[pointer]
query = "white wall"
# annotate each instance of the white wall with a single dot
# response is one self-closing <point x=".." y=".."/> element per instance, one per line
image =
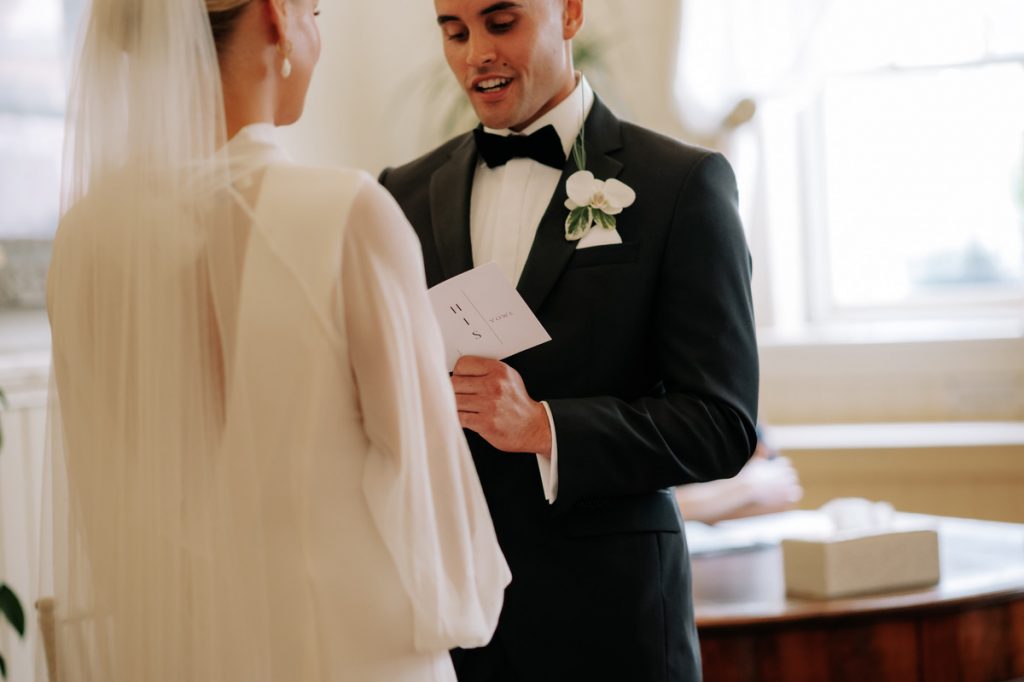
<point x="364" y="98"/>
<point x="909" y="381"/>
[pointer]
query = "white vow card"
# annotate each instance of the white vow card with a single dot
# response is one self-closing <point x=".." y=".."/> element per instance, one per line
<point x="482" y="314"/>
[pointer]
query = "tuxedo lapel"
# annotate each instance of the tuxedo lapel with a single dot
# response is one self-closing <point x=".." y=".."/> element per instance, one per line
<point x="551" y="251"/>
<point x="450" y="188"/>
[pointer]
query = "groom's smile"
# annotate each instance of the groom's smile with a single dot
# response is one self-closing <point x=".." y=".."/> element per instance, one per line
<point x="491" y="85"/>
<point x="513" y="59"/>
<point x="489" y="90"/>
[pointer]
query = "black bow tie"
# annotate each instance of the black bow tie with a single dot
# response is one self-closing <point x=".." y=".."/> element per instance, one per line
<point x="543" y="146"/>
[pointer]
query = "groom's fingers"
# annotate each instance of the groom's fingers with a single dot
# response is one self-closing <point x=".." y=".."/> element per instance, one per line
<point x="470" y="375"/>
<point x="471" y="421"/>
<point x="480" y="376"/>
<point x="473" y="403"/>
<point x="463" y="385"/>
<point x="471" y="365"/>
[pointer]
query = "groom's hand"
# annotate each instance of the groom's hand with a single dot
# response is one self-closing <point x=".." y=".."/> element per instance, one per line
<point x="492" y="401"/>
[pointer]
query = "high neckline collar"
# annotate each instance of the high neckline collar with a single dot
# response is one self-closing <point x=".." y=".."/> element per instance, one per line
<point x="259" y="133"/>
<point x="256" y="144"/>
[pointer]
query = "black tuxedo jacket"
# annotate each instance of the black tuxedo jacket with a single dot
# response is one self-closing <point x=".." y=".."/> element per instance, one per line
<point x="652" y="380"/>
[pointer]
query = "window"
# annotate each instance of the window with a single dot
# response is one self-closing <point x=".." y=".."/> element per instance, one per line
<point x="922" y="152"/>
<point x="34" y="44"/>
<point x="888" y="151"/>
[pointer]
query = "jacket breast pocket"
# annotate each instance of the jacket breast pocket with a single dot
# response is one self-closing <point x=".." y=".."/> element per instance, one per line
<point x="613" y="254"/>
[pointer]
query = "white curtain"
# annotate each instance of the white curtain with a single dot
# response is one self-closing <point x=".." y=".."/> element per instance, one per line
<point x="694" y="70"/>
<point x="765" y="55"/>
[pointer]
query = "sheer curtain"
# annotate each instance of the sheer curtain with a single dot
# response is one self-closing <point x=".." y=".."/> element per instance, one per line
<point x="758" y="61"/>
<point x="697" y="69"/>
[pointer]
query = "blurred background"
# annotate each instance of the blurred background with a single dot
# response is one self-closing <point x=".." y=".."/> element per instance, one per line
<point x="879" y="147"/>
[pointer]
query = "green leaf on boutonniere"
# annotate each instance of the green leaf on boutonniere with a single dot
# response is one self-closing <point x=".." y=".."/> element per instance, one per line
<point x="579" y="152"/>
<point x="604" y="220"/>
<point x="578" y="223"/>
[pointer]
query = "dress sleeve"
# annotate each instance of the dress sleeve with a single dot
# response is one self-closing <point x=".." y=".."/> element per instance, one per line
<point x="420" y="482"/>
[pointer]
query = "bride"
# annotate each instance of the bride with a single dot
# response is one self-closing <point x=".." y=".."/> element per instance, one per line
<point x="256" y="467"/>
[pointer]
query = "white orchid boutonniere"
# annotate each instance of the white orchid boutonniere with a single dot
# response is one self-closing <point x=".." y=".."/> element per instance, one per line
<point x="592" y="201"/>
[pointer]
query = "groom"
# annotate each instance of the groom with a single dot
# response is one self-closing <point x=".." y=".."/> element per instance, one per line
<point x="650" y="380"/>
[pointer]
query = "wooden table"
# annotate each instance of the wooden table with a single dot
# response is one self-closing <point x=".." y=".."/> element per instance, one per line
<point x="969" y="628"/>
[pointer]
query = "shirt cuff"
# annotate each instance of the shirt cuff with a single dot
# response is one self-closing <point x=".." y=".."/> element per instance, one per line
<point x="549" y="467"/>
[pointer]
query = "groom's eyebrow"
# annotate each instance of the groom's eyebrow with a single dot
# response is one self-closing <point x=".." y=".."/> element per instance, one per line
<point x="490" y="9"/>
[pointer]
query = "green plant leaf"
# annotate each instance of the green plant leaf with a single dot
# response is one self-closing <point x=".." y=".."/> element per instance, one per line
<point x="588" y="52"/>
<point x="604" y="220"/>
<point x="11" y="608"/>
<point x="578" y="222"/>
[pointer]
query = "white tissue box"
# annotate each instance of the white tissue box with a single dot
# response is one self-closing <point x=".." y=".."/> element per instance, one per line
<point x="847" y="565"/>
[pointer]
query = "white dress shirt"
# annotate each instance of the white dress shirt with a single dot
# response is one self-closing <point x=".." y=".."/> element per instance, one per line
<point x="506" y="207"/>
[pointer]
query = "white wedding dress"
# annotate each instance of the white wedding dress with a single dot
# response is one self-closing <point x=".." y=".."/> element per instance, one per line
<point x="337" y="530"/>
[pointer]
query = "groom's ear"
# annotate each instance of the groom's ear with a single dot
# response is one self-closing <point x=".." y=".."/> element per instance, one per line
<point x="572" y="18"/>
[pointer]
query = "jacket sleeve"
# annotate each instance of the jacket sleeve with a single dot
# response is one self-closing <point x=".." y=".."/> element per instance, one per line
<point x="700" y="425"/>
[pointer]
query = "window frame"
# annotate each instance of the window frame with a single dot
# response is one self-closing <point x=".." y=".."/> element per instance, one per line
<point x="819" y="305"/>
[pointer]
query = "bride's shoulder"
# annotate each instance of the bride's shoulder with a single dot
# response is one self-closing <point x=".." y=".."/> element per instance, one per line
<point x="305" y="183"/>
<point x="339" y="192"/>
<point x="315" y="190"/>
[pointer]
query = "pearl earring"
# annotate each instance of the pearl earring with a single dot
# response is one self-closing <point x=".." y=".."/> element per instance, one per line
<point x="285" y="48"/>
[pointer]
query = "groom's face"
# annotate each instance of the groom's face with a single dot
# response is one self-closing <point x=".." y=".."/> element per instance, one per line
<point x="513" y="59"/>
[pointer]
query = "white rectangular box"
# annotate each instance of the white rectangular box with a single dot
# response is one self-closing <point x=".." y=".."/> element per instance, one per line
<point x="845" y="566"/>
